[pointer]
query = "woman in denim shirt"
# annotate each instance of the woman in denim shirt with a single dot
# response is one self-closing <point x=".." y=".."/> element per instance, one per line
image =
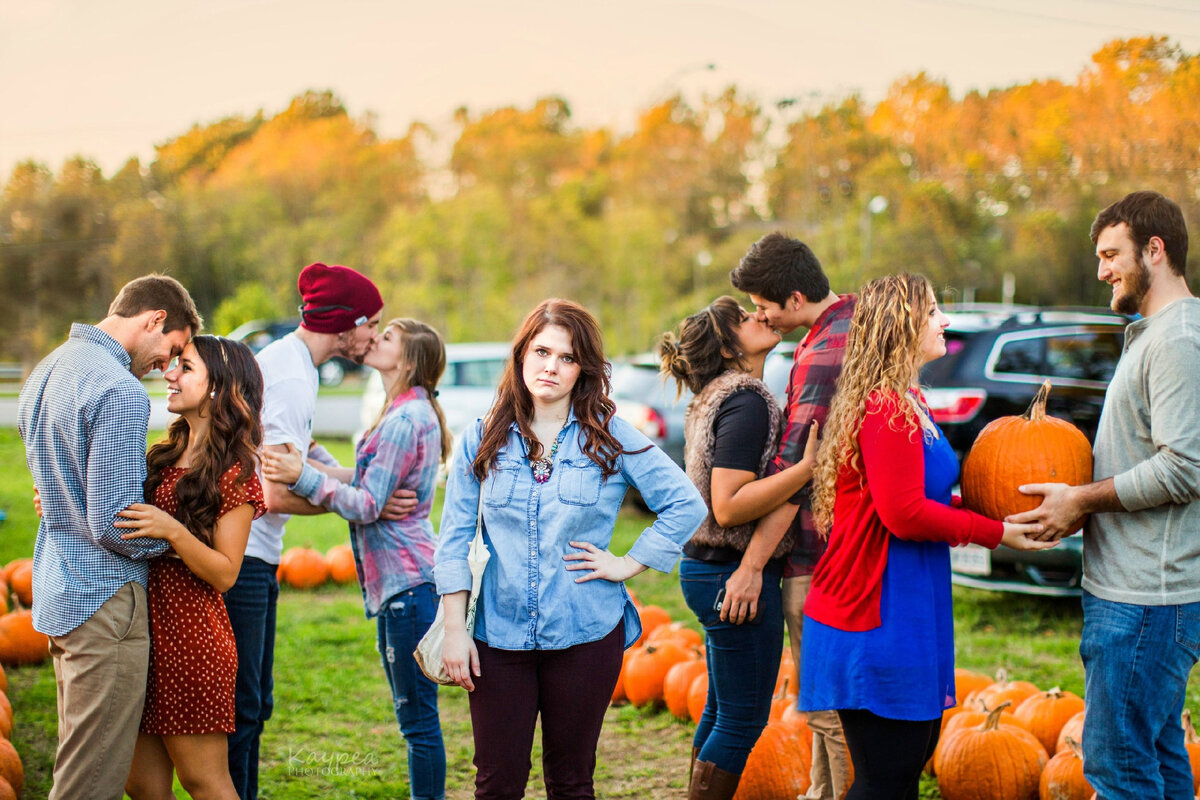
<point x="553" y="464"/>
<point x="402" y="450"/>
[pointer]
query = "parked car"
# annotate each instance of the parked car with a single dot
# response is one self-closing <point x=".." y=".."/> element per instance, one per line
<point x="466" y="391"/>
<point x="259" y="333"/>
<point x="996" y="359"/>
<point x="650" y="403"/>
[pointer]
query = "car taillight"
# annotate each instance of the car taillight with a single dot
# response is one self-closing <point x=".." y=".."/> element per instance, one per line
<point x="954" y="405"/>
<point x="646" y="419"/>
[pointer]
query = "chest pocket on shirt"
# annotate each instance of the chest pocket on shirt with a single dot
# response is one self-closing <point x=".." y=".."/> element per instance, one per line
<point x="498" y="488"/>
<point x="579" y="482"/>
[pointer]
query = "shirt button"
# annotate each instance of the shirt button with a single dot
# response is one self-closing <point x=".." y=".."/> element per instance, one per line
<point x="532" y="584"/>
<point x="532" y="523"/>
<point x="533" y="613"/>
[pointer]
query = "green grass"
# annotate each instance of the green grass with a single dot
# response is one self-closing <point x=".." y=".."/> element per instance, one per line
<point x="333" y="733"/>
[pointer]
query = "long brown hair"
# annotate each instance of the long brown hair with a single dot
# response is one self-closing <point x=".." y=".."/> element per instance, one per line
<point x="234" y="435"/>
<point x="593" y="408"/>
<point x="881" y="354"/>
<point x="424" y="355"/>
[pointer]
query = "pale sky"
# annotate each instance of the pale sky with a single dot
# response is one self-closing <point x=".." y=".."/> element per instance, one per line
<point x="110" y="78"/>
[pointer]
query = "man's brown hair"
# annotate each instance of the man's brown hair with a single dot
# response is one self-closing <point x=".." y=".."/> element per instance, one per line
<point x="1149" y="214"/>
<point x="158" y="292"/>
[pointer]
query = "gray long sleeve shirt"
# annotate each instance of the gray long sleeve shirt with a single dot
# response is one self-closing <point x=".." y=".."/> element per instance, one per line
<point x="1148" y="442"/>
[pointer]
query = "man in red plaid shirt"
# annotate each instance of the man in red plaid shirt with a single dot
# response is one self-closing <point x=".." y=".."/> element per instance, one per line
<point x="789" y="289"/>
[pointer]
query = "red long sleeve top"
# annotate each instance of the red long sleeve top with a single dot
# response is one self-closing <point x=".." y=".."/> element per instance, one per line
<point x="847" y="583"/>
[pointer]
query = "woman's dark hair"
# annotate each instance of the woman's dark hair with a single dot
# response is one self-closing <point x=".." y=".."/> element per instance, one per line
<point x="594" y="409"/>
<point x="706" y="346"/>
<point x="234" y="435"/>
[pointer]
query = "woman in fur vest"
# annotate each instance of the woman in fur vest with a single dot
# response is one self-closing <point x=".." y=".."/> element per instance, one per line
<point x="732" y="430"/>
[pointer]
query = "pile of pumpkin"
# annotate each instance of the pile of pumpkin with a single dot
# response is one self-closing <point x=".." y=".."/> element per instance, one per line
<point x="1005" y="739"/>
<point x="305" y="568"/>
<point x="19" y="644"/>
<point x="666" y="668"/>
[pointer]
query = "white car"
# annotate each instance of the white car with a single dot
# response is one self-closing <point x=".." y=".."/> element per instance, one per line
<point x="465" y="393"/>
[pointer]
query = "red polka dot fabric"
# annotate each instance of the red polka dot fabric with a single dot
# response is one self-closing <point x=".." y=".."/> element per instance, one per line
<point x="193" y="658"/>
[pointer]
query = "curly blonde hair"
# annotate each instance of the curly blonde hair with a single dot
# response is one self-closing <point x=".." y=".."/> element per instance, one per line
<point x="882" y="352"/>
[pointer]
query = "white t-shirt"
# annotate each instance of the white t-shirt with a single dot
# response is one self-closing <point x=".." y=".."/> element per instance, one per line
<point x="289" y="400"/>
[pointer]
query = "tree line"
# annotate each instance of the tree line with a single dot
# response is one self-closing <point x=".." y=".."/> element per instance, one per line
<point x="641" y="226"/>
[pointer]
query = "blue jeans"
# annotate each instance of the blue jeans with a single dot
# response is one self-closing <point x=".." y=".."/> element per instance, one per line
<point x="402" y="622"/>
<point x="251" y="603"/>
<point x="1136" y="661"/>
<point x="743" y="662"/>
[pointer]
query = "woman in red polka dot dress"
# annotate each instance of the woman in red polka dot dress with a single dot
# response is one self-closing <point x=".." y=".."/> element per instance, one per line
<point x="205" y="492"/>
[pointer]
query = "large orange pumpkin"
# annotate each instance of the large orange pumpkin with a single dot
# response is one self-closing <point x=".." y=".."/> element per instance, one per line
<point x="1032" y="448"/>
<point x="1045" y="714"/>
<point x="20" y="580"/>
<point x="12" y="565"/>
<point x="3" y="596"/>
<point x="966" y="681"/>
<point x="647" y="669"/>
<point x="676" y="632"/>
<point x="1073" y="728"/>
<point x="305" y="568"/>
<point x="6" y="791"/>
<point x="1063" y="779"/>
<point x="958" y="719"/>
<point x="787" y="672"/>
<point x="6" y="716"/>
<point x="678" y="682"/>
<point x="778" y="766"/>
<point x="19" y="642"/>
<point x="1000" y="691"/>
<point x="990" y="762"/>
<point x="1192" y="742"/>
<point x="697" y="697"/>
<point x="3" y="680"/>
<point x="11" y="769"/>
<point x="652" y="617"/>
<point x="341" y="564"/>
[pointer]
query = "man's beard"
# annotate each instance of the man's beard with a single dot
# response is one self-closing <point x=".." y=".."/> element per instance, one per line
<point x="1134" y="287"/>
<point x="346" y="345"/>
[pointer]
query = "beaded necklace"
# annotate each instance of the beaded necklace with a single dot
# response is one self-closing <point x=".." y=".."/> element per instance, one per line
<point x="542" y="467"/>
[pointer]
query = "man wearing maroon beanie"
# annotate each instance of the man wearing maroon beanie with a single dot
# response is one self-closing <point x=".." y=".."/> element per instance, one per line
<point x="339" y="317"/>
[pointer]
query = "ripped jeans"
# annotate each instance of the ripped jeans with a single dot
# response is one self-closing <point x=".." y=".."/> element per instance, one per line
<point x="402" y="622"/>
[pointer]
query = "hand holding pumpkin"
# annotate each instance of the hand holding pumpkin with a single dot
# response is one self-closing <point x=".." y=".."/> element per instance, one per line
<point x="1059" y="514"/>
<point x="282" y="467"/>
<point x="147" y="520"/>
<point x="1024" y="537"/>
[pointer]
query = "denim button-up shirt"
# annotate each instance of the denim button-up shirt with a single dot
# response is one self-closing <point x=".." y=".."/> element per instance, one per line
<point x="529" y="600"/>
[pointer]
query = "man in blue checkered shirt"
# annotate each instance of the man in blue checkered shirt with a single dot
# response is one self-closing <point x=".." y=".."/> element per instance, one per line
<point x="83" y="415"/>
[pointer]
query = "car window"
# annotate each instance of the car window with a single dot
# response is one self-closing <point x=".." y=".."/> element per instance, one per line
<point x="1083" y="356"/>
<point x="1020" y="356"/>
<point x="480" y="372"/>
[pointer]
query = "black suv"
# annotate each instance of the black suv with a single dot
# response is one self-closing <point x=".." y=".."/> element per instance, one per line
<point x="996" y="358"/>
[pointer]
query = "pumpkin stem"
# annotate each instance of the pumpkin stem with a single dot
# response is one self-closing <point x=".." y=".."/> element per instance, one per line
<point x="1037" y="409"/>
<point x="783" y="689"/>
<point x="1002" y="675"/>
<point x="1189" y="732"/>
<point x="993" y="718"/>
<point x="1074" y="747"/>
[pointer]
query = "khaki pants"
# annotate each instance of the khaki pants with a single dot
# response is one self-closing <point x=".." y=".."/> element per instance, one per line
<point x="830" y="758"/>
<point x="100" y="669"/>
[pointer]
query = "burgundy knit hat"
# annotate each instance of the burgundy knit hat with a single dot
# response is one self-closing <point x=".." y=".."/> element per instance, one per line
<point x="336" y="298"/>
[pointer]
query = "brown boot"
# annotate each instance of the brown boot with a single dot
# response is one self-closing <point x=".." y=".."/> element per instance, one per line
<point x="709" y="782"/>
<point x="692" y="763"/>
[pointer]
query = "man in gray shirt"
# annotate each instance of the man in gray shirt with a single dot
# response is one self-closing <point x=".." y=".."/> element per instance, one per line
<point x="1141" y="548"/>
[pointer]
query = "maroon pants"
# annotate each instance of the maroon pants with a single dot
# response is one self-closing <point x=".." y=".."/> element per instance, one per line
<point x="571" y="689"/>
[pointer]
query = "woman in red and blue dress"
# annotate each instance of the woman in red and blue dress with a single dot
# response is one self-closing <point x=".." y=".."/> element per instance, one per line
<point x="203" y="493"/>
<point x="878" y="643"/>
<point x="402" y="450"/>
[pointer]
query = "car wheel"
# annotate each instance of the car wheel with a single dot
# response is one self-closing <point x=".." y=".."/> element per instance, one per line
<point x="332" y="373"/>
